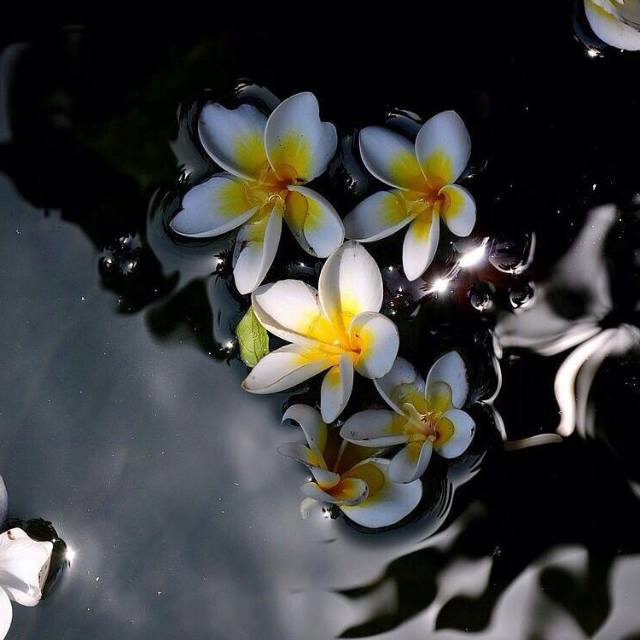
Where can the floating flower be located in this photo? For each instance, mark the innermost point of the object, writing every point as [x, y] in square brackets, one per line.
[423, 175]
[615, 22]
[347, 476]
[24, 565]
[336, 328]
[267, 162]
[426, 417]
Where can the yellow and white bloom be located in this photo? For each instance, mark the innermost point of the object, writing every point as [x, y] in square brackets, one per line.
[338, 328]
[267, 161]
[24, 566]
[615, 22]
[424, 417]
[423, 176]
[347, 476]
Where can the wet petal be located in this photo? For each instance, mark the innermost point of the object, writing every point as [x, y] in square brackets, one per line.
[388, 505]
[24, 564]
[391, 158]
[214, 207]
[313, 221]
[301, 453]
[420, 245]
[610, 29]
[256, 247]
[464, 429]
[350, 283]
[315, 430]
[350, 491]
[234, 138]
[6, 614]
[336, 389]
[290, 310]
[458, 210]
[410, 462]
[299, 145]
[443, 147]
[285, 368]
[375, 428]
[376, 338]
[400, 385]
[378, 216]
[451, 370]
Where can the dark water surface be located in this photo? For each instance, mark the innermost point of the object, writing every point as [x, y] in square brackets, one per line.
[121, 410]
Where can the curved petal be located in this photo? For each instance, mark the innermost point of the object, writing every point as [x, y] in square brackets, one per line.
[377, 339]
[350, 491]
[315, 430]
[6, 614]
[391, 503]
[410, 462]
[458, 210]
[214, 207]
[313, 221]
[256, 247]
[375, 428]
[400, 385]
[350, 283]
[610, 29]
[234, 138]
[450, 369]
[300, 453]
[285, 368]
[336, 389]
[420, 245]
[24, 564]
[290, 310]
[443, 147]
[299, 145]
[391, 158]
[378, 216]
[463, 429]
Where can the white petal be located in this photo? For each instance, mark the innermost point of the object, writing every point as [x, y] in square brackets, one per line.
[402, 373]
[378, 216]
[326, 479]
[214, 207]
[350, 491]
[451, 369]
[299, 145]
[443, 147]
[420, 245]
[377, 339]
[290, 310]
[375, 428]
[6, 614]
[234, 138]
[350, 283]
[464, 430]
[285, 368]
[410, 462]
[336, 389]
[313, 221]
[256, 247]
[611, 29]
[315, 430]
[24, 564]
[458, 210]
[392, 503]
[391, 158]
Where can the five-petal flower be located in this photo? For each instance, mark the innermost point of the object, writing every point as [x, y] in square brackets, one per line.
[267, 161]
[424, 417]
[423, 177]
[24, 565]
[347, 476]
[338, 328]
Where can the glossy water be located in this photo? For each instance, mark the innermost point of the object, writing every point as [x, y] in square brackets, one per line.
[122, 416]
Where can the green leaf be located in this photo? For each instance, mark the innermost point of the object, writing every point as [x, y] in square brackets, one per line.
[252, 339]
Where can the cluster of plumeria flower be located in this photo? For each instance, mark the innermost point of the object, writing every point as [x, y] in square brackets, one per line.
[338, 329]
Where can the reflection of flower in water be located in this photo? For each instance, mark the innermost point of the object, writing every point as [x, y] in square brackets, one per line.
[347, 476]
[568, 313]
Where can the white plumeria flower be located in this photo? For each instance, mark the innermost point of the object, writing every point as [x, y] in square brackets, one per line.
[346, 475]
[267, 162]
[423, 175]
[615, 22]
[338, 328]
[24, 565]
[424, 417]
